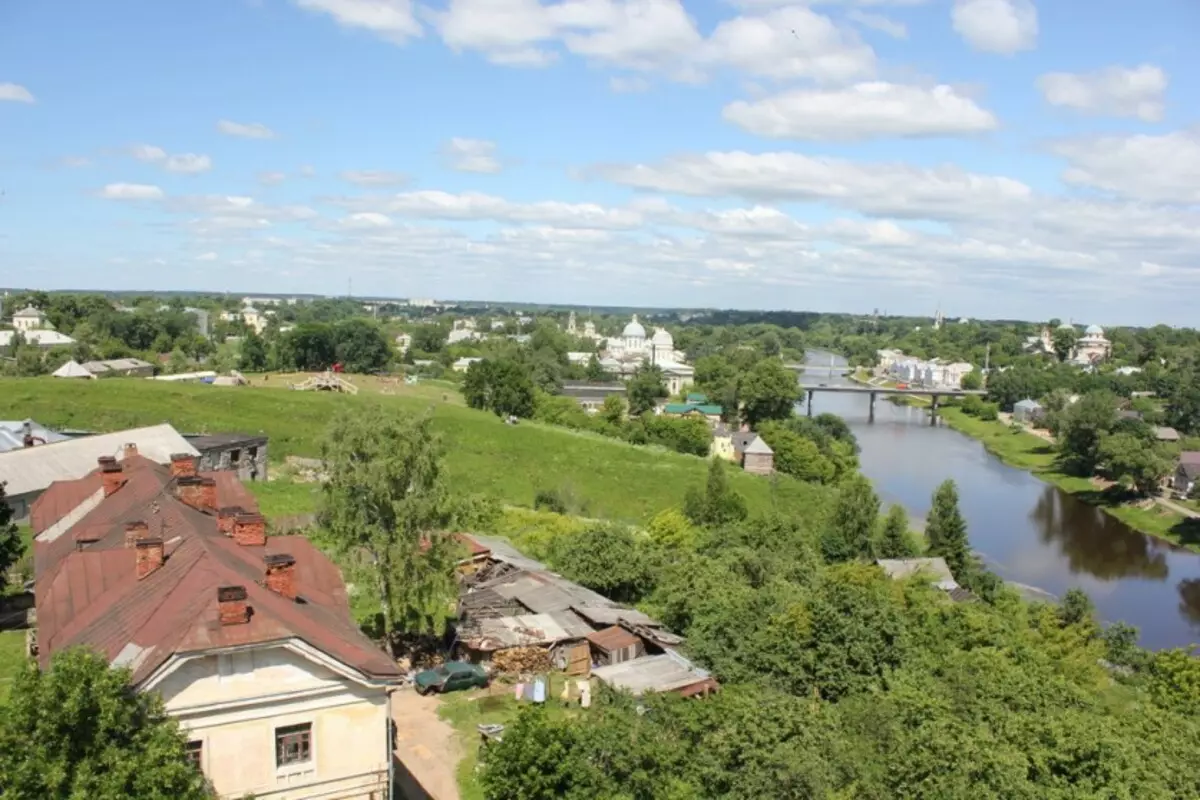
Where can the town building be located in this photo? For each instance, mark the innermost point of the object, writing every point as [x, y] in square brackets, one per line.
[29, 318]
[45, 339]
[1090, 349]
[591, 396]
[464, 364]
[758, 457]
[244, 454]
[1187, 472]
[30, 471]
[696, 405]
[168, 572]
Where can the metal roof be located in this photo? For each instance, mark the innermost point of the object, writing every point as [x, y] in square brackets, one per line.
[12, 434]
[503, 551]
[614, 638]
[610, 615]
[32, 469]
[758, 447]
[662, 673]
[498, 633]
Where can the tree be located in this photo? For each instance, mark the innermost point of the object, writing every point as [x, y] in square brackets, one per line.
[895, 541]
[79, 730]
[1081, 426]
[645, 389]
[361, 346]
[718, 505]
[771, 345]
[385, 499]
[851, 532]
[11, 546]
[768, 391]
[972, 381]
[1135, 462]
[501, 386]
[1064, 340]
[797, 455]
[308, 347]
[253, 355]
[612, 410]
[607, 559]
[595, 373]
[946, 530]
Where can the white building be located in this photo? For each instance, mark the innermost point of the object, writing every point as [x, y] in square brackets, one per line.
[249, 640]
[464, 364]
[29, 319]
[403, 342]
[37, 338]
[624, 354]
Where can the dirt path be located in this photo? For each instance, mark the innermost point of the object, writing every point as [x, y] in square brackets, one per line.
[1178, 509]
[427, 748]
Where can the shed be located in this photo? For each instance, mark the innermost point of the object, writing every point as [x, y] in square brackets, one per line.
[758, 457]
[72, 369]
[1165, 434]
[614, 645]
[1028, 410]
[669, 672]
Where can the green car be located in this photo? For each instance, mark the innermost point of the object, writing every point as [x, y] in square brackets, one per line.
[450, 677]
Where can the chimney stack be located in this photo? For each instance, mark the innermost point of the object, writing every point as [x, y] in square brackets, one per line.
[149, 556]
[231, 605]
[130, 449]
[199, 493]
[111, 474]
[281, 574]
[183, 465]
[226, 517]
[250, 530]
[134, 531]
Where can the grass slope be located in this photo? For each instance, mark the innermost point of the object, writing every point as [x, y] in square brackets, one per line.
[614, 479]
[12, 657]
[1029, 452]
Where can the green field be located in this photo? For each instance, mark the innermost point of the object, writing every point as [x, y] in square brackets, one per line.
[611, 479]
[12, 656]
[1032, 453]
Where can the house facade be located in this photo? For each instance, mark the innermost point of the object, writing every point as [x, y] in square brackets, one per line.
[1187, 472]
[244, 454]
[168, 572]
[29, 319]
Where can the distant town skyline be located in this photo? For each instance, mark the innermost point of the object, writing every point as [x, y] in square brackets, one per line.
[997, 158]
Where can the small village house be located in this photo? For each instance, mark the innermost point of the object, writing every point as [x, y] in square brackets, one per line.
[722, 444]
[614, 645]
[709, 412]
[243, 454]
[248, 639]
[758, 457]
[29, 318]
[36, 338]
[120, 367]
[1187, 471]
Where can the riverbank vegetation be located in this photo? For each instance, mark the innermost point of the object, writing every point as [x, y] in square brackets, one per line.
[838, 682]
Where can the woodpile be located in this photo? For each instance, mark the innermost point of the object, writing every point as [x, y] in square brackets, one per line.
[521, 660]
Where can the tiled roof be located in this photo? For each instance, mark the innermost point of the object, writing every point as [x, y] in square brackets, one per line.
[89, 594]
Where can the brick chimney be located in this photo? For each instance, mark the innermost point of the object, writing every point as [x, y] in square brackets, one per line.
[111, 474]
[281, 574]
[231, 605]
[149, 556]
[226, 517]
[250, 530]
[199, 493]
[183, 465]
[130, 449]
[135, 531]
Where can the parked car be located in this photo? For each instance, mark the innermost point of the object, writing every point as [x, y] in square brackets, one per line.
[450, 677]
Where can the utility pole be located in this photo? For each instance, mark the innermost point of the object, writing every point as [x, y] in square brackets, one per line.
[987, 359]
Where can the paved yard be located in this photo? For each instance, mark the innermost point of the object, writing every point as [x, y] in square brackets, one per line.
[427, 748]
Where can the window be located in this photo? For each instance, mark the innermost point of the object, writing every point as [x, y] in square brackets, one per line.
[293, 744]
[195, 753]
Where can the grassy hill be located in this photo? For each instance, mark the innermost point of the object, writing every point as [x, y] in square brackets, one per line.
[614, 480]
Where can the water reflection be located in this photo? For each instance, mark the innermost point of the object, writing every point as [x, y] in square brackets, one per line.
[1095, 543]
[1189, 600]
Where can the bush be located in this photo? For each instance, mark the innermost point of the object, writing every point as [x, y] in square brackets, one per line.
[549, 500]
[988, 411]
[972, 405]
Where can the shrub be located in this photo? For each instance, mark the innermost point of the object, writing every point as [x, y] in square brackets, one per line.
[988, 411]
[549, 500]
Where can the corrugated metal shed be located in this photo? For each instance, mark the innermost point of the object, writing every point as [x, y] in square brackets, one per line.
[663, 673]
[32, 469]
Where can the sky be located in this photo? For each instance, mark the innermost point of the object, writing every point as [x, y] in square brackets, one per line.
[989, 158]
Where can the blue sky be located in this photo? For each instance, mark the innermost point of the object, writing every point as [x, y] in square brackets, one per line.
[991, 157]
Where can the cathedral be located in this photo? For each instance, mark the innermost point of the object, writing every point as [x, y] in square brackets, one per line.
[623, 354]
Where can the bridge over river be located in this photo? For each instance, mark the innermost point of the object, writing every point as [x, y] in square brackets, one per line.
[874, 391]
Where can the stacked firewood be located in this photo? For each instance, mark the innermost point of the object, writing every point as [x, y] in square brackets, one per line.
[521, 660]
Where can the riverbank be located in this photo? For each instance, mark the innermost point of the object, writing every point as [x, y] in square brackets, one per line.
[1034, 454]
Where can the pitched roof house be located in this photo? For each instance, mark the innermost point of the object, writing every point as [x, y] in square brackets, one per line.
[248, 639]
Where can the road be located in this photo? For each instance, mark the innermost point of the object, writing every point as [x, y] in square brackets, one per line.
[427, 748]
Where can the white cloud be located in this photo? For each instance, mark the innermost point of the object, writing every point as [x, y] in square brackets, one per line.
[794, 42]
[15, 93]
[374, 177]
[889, 189]
[628, 84]
[366, 219]
[185, 163]
[1163, 169]
[207, 257]
[861, 111]
[471, 155]
[245, 130]
[997, 26]
[475, 205]
[390, 19]
[879, 22]
[131, 191]
[1114, 91]
[272, 178]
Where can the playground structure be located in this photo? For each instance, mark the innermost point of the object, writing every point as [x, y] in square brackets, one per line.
[326, 382]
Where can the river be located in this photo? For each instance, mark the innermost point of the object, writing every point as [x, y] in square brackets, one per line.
[1027, 531]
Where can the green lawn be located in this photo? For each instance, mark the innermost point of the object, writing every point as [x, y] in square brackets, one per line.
[12, 656]
[612, 479]
[1029, 452]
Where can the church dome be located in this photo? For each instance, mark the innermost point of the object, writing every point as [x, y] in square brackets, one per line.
[1066, 326]
[663, 337]
[1094, 330]
[634, 330]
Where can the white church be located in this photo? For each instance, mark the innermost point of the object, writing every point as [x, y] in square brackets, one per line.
[622, 355]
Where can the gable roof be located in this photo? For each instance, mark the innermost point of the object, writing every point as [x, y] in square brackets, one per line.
[72, 369]
[758, 447]
[33, 469]
[708, 409]
[88, 594]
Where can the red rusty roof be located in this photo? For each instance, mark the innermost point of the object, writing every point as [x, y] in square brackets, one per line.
[614, 638]
[88, 593]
